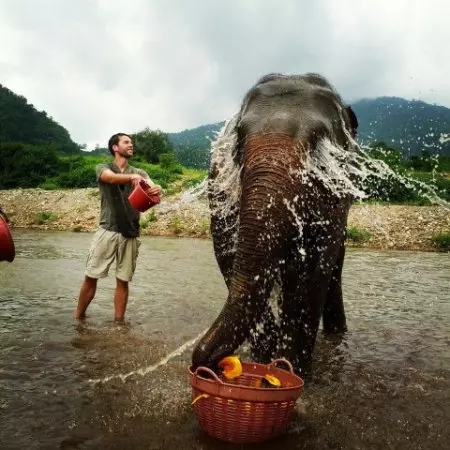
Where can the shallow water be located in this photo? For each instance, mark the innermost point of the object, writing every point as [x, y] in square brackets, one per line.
[386, 384]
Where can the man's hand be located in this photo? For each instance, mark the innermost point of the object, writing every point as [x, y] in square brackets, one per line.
[135, 179]
[154, 190]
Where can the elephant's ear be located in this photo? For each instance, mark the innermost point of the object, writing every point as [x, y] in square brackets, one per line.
[353, 120]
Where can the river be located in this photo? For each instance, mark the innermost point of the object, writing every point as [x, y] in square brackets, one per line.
[385, 385]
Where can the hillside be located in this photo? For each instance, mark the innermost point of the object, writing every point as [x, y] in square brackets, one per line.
[410, 126]
[22, 122]
[192, 146]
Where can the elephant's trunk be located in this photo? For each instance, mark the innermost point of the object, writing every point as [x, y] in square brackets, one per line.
[268, 182]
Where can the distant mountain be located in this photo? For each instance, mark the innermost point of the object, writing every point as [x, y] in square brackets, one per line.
[410, 126]
[22, 122]
[100, 151]
[192, 146]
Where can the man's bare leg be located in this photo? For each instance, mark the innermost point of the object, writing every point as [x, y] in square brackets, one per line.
[87, 293]
[120, 299]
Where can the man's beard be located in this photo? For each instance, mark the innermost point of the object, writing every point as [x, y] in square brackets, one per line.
[126, 155]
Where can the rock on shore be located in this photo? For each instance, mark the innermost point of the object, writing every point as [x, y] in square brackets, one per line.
[383, 226]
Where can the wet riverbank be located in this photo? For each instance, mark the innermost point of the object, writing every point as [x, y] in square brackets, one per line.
[397, 227]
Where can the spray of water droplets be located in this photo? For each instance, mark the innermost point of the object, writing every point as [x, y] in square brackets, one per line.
[179, 351]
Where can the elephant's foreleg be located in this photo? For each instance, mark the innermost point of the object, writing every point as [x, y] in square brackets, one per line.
[300, 321]
[334, 320]
[239, 316]
[264, 339]
[305, 286]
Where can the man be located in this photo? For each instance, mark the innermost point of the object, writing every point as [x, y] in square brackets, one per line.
[117, 236]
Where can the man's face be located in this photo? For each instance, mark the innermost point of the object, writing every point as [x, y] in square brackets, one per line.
[124, 147]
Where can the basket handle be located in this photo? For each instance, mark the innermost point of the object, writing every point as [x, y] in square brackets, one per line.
[284, 361]
[209, 371]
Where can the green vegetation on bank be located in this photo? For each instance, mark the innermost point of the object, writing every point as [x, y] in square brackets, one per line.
[45, 216]
[412, 178]
[358, 235]
[442, 242]
[30, 166]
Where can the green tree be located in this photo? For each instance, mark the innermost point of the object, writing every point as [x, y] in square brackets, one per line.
[150, 144]
[168, 161]
[26, 166]
[425, 162]
[391, 156]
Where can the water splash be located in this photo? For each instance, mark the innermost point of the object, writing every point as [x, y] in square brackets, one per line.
[226, 184]
[444, 138]
[222, 149]
[195, 192]
[222, 144]
[345, 172]
[223, 186]
[142, 372]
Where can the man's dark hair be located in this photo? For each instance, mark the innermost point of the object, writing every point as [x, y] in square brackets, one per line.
[114, 140]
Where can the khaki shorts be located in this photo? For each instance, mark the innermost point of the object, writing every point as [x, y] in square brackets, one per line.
[107, 247]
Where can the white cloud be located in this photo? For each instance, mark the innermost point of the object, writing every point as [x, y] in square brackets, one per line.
[98, 67]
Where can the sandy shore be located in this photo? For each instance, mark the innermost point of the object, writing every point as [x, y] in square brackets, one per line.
[384, 226]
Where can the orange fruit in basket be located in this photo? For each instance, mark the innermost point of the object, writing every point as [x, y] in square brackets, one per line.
[231, 366]
[273, 381]
[268, 381]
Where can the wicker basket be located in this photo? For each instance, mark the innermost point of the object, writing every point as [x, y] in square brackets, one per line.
[237, 410]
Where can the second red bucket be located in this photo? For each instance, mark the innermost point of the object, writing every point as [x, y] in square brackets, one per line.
[7, 248]
[139, 198]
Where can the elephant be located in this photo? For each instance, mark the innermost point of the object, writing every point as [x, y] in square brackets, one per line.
[278, 229]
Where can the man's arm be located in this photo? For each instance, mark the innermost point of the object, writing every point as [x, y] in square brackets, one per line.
[104, 173]
[108, 176]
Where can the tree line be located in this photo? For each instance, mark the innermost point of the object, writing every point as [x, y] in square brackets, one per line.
[36, 151]
[406, 184]
[27, 165]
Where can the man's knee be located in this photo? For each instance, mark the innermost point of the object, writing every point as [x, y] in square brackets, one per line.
[122, 283]
[89, 280]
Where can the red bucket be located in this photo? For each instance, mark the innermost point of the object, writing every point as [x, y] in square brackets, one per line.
[238, 410]
[139, 198]
[7, 249]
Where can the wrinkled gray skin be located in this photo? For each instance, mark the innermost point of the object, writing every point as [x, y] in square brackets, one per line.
[257, 243]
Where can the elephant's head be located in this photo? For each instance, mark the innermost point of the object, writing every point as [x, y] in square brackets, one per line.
[281, 121]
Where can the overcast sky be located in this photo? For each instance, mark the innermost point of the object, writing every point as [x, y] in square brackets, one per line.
[102, 66]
